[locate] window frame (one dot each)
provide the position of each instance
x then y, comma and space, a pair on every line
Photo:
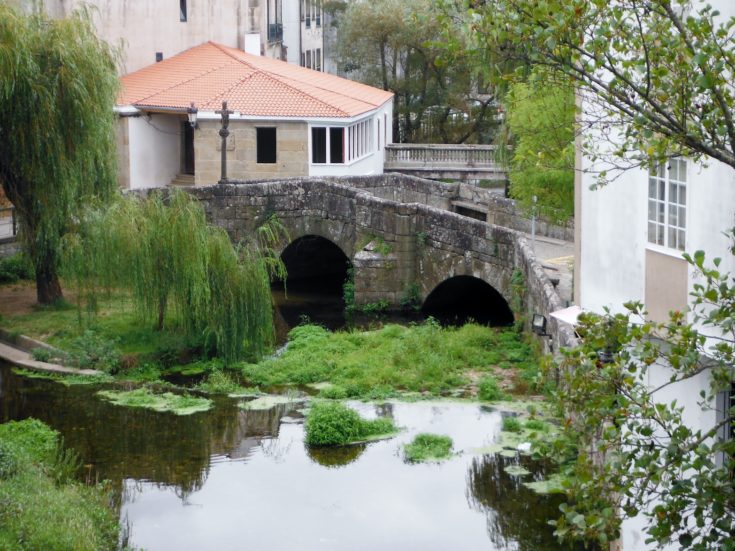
666, 218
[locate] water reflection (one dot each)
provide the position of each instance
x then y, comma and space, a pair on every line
233, 479
335, 457
513, 511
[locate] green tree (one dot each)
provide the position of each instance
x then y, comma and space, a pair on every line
540, 119
179, 270
57, 91
395, 45
658, 73
633, 452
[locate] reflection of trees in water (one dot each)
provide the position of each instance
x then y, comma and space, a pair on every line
335, 456
130, 443
514, 513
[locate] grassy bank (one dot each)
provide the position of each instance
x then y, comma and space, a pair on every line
41, 505
425, 359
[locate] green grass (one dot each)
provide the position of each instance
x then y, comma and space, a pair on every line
40, 506
428, 447
68, 380
60, 325
512, 424
166, 402
488, 389
377, 364
334, 424
220, 381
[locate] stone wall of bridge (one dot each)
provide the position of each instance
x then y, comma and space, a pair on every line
397, 236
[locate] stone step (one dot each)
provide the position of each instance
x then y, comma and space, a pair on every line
182, 180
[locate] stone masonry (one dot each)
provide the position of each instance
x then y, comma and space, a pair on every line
393, 244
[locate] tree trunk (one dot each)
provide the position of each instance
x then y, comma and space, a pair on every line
48, 288
161, 312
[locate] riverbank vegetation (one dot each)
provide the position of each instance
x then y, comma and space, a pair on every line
423, 359
41, 504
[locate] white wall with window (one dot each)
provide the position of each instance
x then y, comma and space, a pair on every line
339, 147
667, 204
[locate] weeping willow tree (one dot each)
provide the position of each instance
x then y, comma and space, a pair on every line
182, 273
57, 91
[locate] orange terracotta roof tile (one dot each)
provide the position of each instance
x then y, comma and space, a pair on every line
251, 85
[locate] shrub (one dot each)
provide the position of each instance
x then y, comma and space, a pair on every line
334, 424
536, 424
41, 354
16, 267
334, 392
429, 447
488, 389
511, 424
92, 351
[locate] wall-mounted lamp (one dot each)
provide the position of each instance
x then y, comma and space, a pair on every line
192, 113
538, 325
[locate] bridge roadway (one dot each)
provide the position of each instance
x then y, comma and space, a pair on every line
399, 235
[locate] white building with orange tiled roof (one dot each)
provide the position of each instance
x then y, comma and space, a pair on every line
287, 120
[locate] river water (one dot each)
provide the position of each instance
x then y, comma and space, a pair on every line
230, 479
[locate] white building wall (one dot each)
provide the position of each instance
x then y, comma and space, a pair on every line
372, 163
613, 243
291, 30
145, 27
155, 150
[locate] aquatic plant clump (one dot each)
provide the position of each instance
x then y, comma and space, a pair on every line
428, 447
334, 424
166, 402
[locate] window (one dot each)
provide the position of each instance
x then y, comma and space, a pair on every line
303, 59
182, 11
159, 56
318, 9
336, 145
266, 146
318, 145
308, 58
328, 152
318, 59
308, 13
667, 204
360, 139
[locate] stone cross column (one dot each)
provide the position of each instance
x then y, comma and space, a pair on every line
224, 132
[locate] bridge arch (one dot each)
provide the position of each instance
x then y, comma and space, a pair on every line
462, 298
316, 272
313, 256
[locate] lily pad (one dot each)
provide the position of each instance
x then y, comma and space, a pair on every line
516, 470
487, 450
508, 453
551, 486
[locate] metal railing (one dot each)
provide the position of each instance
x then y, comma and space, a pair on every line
440, 155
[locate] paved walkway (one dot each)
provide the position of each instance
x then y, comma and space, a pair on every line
21, 358
557, 258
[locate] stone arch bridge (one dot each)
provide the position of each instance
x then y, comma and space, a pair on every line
399, 233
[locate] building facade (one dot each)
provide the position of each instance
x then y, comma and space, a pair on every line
630, 238
286, 121
148, 31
